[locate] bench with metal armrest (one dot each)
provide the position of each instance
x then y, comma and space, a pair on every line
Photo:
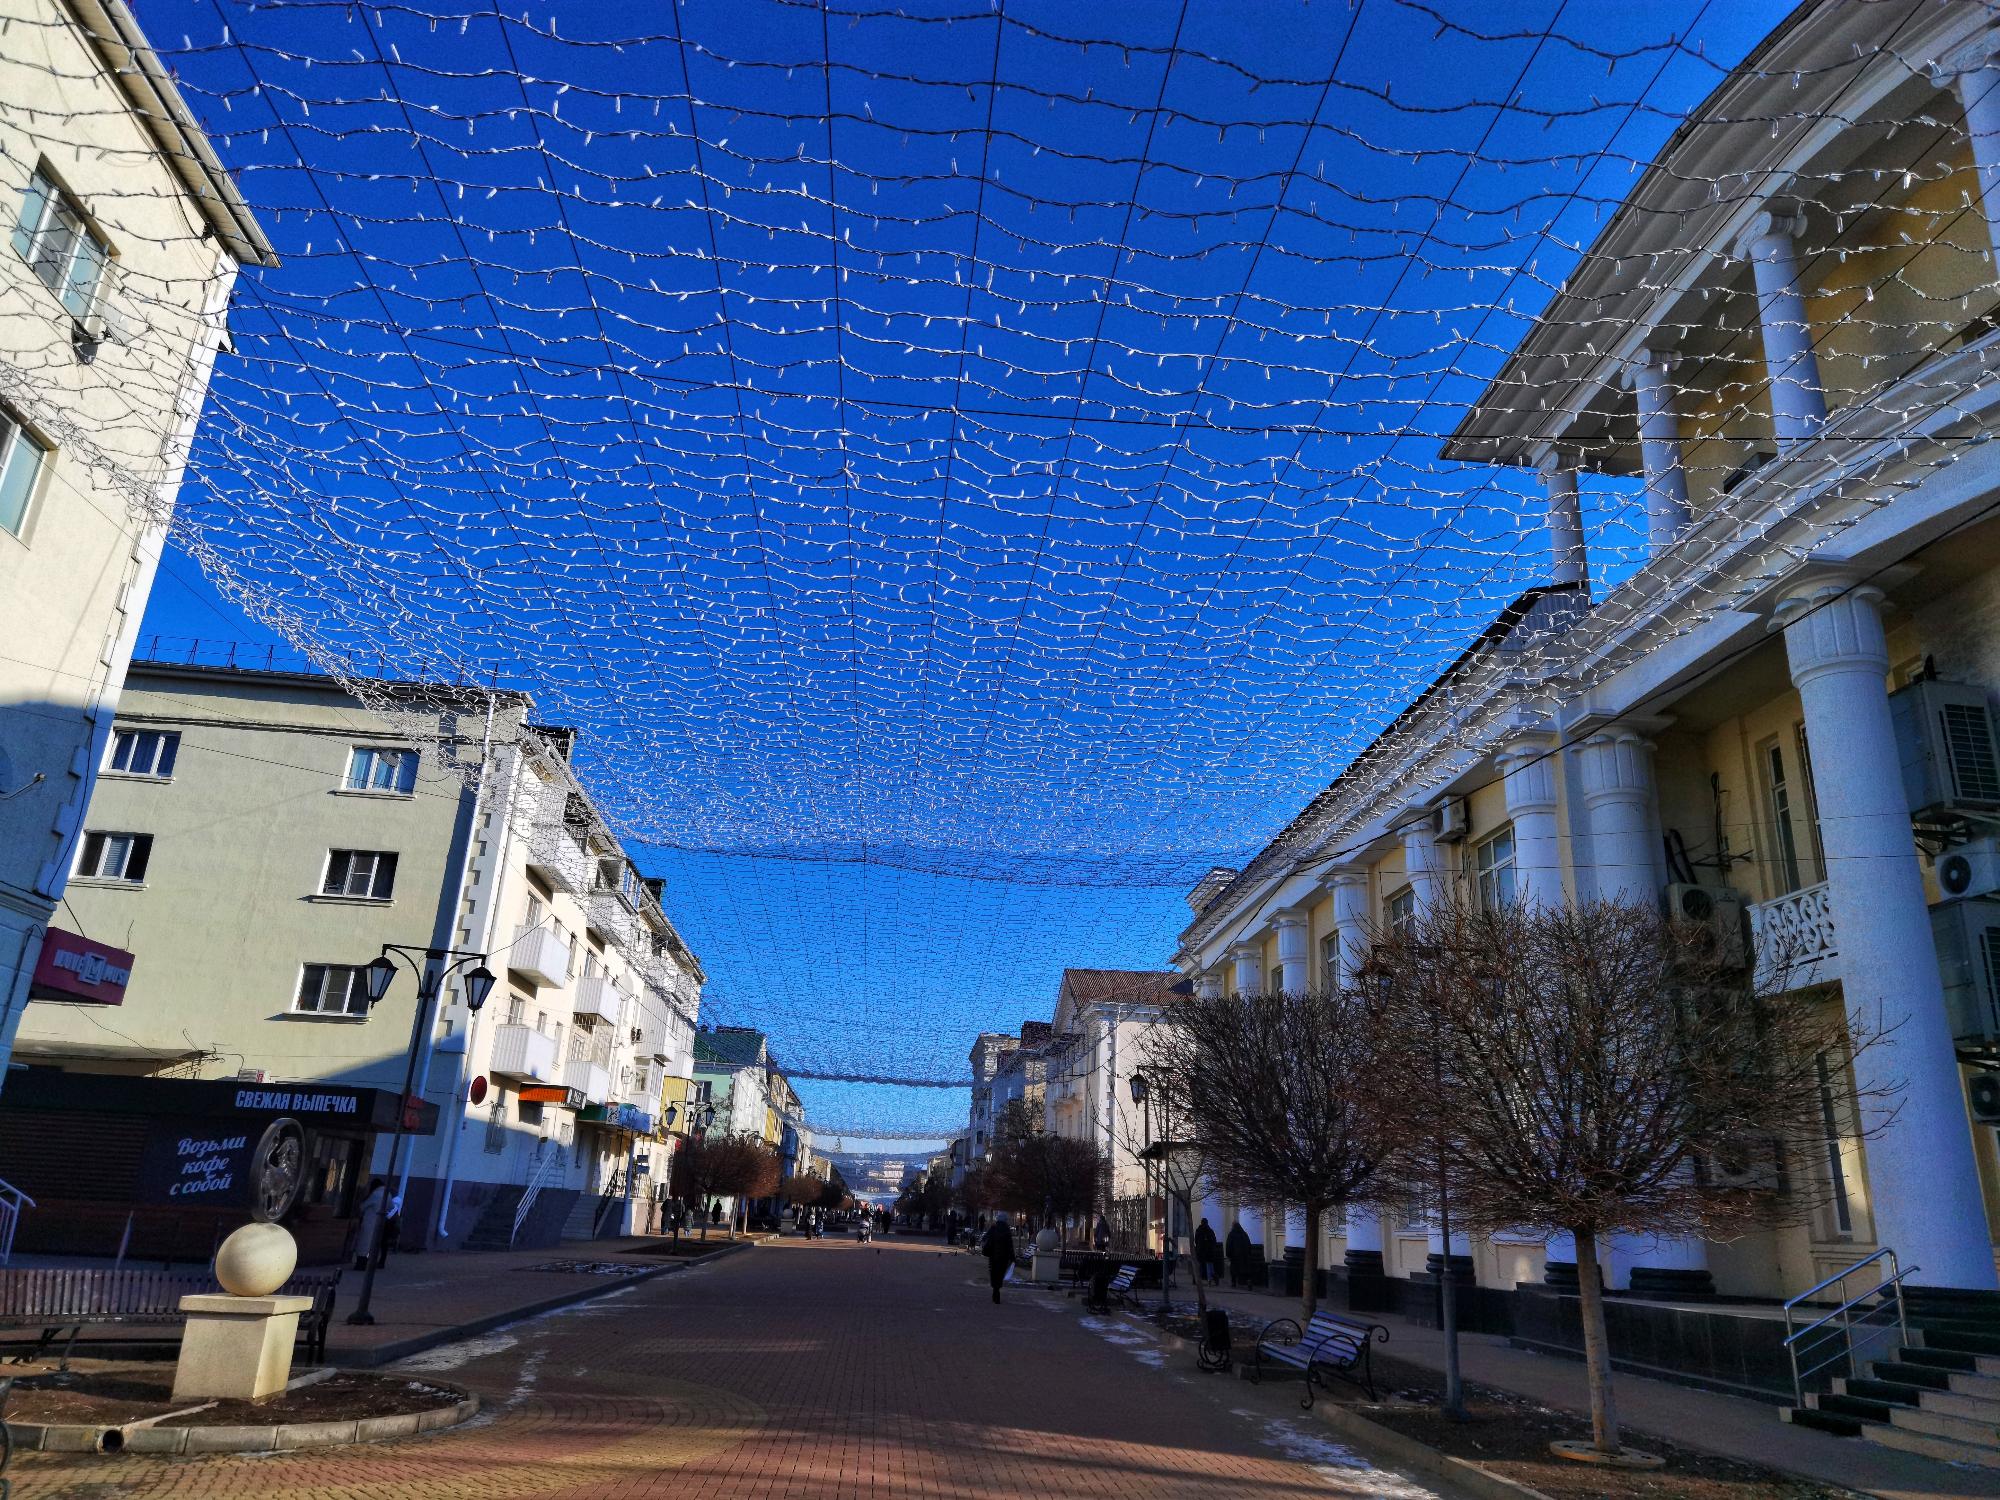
58, 1299
1329, 1344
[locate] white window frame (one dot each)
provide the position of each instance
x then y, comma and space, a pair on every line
381, 867
17, 439
46, 208
165, 746
362, 775
105, 855
1492, 870
354, 1006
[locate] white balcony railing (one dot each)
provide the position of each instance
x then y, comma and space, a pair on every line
598, 1001
538, 957
1794, 937
592, 1080
556, 847
522, 1052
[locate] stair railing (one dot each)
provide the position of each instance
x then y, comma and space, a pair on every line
1831, 1337
12, 1201
547, 1165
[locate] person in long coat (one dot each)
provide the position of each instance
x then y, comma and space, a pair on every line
1206, 1251
998, 1248
1237, 1247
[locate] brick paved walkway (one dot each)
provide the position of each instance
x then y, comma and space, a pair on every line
803, 1371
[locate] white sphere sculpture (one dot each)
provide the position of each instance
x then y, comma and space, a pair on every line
256, 1260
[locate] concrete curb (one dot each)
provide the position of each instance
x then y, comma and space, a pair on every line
1393, 1447
386, 1354
277, 1437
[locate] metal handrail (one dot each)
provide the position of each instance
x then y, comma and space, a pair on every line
546, 1166
12, 1201
1889, 1289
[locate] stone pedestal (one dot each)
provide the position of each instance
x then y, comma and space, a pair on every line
1047, 1265
236, 1348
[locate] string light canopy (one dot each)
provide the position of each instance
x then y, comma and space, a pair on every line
993, 443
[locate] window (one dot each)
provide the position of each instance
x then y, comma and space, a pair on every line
1493, 867
1402, 909
371, 769
1836, 1167
517, 1007
1329, 960
496, 1125
115, 856
368, 873
536, 911
1784, 861
65, 253
144, 752
331, 990
1811, 799
529, 1111
21, 457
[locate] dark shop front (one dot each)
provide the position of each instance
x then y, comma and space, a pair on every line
171, 1157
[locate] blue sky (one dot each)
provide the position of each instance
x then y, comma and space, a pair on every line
957, 515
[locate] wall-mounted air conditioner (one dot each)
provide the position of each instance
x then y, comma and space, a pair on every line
1452, 821
1967, 935
1944, 739
1754, 1164
1970, 869
1982, 1091
1725, 912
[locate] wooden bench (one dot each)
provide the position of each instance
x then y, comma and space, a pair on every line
1329, 1345
55, 1299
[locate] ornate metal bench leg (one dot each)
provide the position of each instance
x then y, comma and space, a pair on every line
1311, 1365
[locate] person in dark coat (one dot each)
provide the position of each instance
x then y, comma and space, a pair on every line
1101, 1238
1237, 1247
998, 1248
1206, 1252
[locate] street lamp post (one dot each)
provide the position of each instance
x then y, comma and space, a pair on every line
432, 966
1142, 1095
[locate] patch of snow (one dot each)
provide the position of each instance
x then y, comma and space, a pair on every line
464, 1352
1339, 1467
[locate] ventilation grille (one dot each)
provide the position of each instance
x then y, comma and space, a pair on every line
1989, 958
1968, 741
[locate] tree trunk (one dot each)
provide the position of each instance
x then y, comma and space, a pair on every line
1596, 1345
1195, 1265
1309, 1272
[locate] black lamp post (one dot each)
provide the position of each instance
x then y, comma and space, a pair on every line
432, 966
1142, 1095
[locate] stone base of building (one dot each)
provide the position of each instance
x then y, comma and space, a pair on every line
1671, 1284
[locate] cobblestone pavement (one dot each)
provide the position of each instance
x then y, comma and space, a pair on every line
802, 1371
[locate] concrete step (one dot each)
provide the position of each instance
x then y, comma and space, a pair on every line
1975, 1431
1986, 1387
1937, 1359
1956, 1404
1967, 1341
1860, 1408
1925, 1377
1821, 1421
1931, 1445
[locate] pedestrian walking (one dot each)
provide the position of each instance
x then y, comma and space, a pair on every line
368, 1237
998, 1248
1100, 1238
1207, 1252
1237, 1247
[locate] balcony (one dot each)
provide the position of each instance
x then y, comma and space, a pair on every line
592, 1080
523, 1053
598, 1002
538, 957
1795, 939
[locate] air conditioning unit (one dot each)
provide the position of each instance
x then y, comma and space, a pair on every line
1725, 912
1452, 823
1971, 869
1966, 933
1982, 1091
1755, 1164
1944, 740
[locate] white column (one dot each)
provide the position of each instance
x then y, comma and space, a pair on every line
1616, 769
1798, 404
1567, 559
1248, 961
1208, 985
1667, 513
1422, 861
1527, 766
1923, 1185
1293, 934
1350, 921
1972, 72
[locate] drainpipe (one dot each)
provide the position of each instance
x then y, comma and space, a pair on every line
484, 943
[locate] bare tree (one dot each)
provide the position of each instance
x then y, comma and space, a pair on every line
1280, 1098
1580, 1070
1037, 1172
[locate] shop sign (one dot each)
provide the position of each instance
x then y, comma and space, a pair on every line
74, 969
550, 1093
196, 1167
619, 1117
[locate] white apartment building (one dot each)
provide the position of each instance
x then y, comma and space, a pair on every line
125, 235
1784, 344
256, 838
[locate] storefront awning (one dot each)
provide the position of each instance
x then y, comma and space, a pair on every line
618, 1117
322, 1106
